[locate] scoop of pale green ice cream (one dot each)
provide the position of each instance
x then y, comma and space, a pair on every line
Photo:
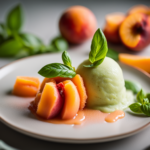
105, 86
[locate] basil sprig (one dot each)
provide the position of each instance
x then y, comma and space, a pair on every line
98, 49
59, 70
143, 104
15, 43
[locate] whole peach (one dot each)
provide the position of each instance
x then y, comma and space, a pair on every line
77, 24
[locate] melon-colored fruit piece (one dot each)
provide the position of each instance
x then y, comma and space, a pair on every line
26, 86
51, 102
140, 62
78, 81
72, 100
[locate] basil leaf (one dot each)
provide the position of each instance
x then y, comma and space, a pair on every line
59, 44
145, 101
66, 59
14, 19
95, 64
6, 32
98, 47
112, 54
140, 96
57, 69
148, 96
10, 47
133, 86
136, 107
146, 109
33, 43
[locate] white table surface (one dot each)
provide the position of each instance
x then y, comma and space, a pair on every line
41, 19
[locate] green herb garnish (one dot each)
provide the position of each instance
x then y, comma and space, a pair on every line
143, 104
98, 49
15, 43
133, 86
58, 69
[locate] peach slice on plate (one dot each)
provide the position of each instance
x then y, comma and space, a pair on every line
111, 29
72, 100
50, 103
135, 31
26, 86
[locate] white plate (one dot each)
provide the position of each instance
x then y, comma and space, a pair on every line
14, 112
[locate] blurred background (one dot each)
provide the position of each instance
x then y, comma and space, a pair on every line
41, 16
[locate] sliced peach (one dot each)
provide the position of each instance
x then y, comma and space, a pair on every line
78, 81
136, 61
51, 102
26, 86
111, 29
72, 100
139, 9
135, 31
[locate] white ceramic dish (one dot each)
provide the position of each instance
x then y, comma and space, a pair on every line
14, 112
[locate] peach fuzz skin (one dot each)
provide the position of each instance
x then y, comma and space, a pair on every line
72, 100
77, 24
50, 103
135, 31
26, 86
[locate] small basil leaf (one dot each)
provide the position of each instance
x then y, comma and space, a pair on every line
140, 96
112, 54
95, 64
57, 69
60, 44
6, 32
133, 86
145, 101
66, 59
136, 107
33, 43
10, 47
148, 96
146, 109
15, 19
98, 47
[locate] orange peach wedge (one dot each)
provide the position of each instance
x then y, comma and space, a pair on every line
135, 31
140, 62
72, 100
111, 29
26, 86
50, 103
77, 24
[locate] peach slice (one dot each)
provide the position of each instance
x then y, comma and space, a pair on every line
26, 86
111, 29
78, 81
51, 102
72, 100
135, 31
136, 61
139, 9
